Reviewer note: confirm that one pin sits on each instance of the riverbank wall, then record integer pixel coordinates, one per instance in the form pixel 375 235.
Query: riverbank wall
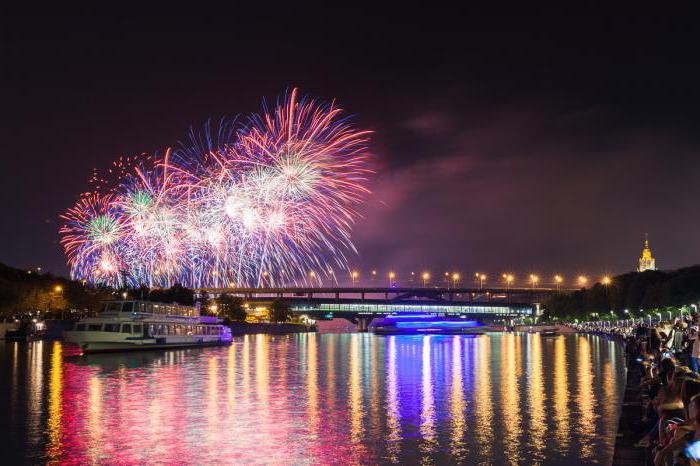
pixel 247 328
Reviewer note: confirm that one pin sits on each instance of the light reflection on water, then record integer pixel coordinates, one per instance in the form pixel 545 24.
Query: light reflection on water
pixel 310 399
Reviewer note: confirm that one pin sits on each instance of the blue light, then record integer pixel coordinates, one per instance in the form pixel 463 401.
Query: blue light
pixel 448 324
pixel 410 316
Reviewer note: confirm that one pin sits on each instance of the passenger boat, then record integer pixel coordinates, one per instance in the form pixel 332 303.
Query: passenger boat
pixel 139 325
pixel 426 324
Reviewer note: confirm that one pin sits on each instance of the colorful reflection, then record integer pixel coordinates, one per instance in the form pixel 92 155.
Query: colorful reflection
pixel 319 399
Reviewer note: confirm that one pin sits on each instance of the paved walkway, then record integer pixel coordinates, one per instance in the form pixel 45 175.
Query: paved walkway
pixel 625 452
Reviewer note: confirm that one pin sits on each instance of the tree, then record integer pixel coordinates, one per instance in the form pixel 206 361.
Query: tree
pixel 231 307
pixel 279 310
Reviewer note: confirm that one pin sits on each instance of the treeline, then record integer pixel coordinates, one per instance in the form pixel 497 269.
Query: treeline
pixel 636 292
pixel 27 291
pixel 23 291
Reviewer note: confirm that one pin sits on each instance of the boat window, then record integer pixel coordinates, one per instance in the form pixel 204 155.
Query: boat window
pixel 80 327
pixel 94 327
pixel 111 327
pixel 114 306
pixel 137 329
pixel 126 328
pixel 127 306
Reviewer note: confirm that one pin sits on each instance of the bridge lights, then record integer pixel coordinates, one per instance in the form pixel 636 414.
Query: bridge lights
pixel 426 278
pixel 508 278
pixel 481 278
pixel 582 281
pixel 534 279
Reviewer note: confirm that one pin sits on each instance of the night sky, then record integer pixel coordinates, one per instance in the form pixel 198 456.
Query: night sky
pixel 529 141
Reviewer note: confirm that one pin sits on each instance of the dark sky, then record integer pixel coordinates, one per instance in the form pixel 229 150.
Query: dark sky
pixel 532 141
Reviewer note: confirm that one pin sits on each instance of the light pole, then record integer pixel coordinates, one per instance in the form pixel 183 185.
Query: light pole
pixel 582 281
pixel 426 277
pixel 374 275
pixel 312 276
pixel 480 277
pixel 508 278
pixel 354 276
pixel 534 279
pixel 392 275
pixel 455 279
pixel 558 280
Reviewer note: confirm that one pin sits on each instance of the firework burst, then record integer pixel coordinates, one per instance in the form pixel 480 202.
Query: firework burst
pixel 265 202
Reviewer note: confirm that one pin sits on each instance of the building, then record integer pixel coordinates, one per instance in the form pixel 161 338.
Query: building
pixel 646 262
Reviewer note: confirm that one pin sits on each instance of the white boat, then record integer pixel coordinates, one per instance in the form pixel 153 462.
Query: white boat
pixel 139 325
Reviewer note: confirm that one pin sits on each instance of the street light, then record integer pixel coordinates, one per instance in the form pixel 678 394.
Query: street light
pixel 534 279
pixel 426 277
pixel 508 278
pixel 582 281
pixel 481 278
pixel 374 274
pixel 312 276
pixel 354 276
pixel 558 279
pixel 606 280
pixel 58 288
pixel 392 275
pixel 455 279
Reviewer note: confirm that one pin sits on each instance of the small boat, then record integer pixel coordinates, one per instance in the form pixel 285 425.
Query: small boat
pixel 426 324
pixel 140 325
pixel 549 332
pixel 28 330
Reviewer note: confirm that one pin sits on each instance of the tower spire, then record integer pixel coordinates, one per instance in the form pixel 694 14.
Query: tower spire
pixel 647 261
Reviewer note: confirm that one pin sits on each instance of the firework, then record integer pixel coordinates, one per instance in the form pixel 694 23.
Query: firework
pixel 263 202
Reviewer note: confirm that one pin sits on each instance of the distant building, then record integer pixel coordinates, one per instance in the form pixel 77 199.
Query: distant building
pixel 646 262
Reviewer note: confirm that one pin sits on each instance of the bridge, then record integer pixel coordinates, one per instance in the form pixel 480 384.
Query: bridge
pixel 362 304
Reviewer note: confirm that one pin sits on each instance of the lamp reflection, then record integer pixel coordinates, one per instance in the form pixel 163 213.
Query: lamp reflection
pixel 355 388
pixel 427 415
pixel 392 400
pixel 55 420
pixel 483 407
pixel 312 382
pixel 536 395
pixel 585 399
pixel 510 397
pixel 457 404
pixel 561 394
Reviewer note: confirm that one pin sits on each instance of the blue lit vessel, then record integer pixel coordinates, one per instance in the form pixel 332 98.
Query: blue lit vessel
pixel 427 325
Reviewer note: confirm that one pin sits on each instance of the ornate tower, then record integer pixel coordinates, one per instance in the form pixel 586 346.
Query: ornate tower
pixel 646 262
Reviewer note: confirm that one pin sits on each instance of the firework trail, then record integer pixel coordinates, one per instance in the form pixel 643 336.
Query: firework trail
pixel 262 202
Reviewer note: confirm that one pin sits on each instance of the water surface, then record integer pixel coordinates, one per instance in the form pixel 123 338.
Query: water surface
pixel 310 399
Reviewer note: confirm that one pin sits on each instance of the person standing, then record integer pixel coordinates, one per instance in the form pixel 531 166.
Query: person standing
pixel 695 353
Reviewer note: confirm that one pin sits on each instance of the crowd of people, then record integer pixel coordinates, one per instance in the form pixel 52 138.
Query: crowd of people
pixel 665 354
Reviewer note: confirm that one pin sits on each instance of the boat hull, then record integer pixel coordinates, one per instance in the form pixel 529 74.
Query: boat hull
pixel 116 347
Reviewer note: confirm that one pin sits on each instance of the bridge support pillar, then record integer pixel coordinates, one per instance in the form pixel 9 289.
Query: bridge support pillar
pixel 363 323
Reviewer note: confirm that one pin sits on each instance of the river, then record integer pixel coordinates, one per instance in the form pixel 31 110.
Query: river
pixel 317 399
